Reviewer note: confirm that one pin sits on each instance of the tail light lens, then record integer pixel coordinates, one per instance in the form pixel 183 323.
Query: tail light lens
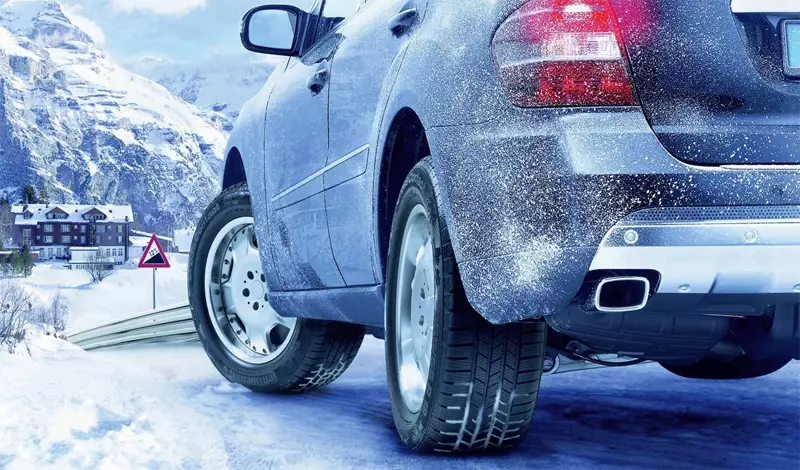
pixel 563 53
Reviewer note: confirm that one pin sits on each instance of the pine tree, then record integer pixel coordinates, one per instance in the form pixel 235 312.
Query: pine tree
pixel 29 195
pixel 16 263
pixel 44 194
pixel 27 262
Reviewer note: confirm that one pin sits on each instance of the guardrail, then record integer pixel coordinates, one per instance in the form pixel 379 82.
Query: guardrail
pixel 173 323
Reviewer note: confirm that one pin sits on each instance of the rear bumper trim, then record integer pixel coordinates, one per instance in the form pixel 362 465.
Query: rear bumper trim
pixel 718 257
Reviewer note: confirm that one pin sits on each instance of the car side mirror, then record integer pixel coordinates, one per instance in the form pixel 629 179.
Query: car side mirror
pixel 273 29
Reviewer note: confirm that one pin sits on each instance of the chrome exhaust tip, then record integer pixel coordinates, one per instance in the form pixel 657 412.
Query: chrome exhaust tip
pixel 621 294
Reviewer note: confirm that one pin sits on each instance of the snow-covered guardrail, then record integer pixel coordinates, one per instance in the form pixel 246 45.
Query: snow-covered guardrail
pixel 173 323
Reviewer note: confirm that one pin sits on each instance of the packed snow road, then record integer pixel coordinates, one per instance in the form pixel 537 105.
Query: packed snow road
pixel 166 407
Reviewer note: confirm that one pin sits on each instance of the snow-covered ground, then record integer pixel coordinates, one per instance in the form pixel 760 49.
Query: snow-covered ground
pixel 166 407
pixel 128 291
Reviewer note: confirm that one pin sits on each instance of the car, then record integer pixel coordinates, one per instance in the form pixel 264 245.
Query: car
pixel 505 189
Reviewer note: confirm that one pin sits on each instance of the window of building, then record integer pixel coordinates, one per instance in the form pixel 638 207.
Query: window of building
pixel 110 237
pixel 101 229
pixel 48 228
pixel 119 238
pixel 64 228
pixel 83 229
pixel 26 233
pixel 48 239
pixel 119 228
pixel 83 239
pixel 65 239
pixel 99 239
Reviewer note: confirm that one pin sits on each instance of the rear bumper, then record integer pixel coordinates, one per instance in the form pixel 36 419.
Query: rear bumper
pixel 709 250
pixel 533 199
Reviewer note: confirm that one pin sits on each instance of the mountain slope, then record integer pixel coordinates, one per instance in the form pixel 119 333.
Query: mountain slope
pixel 74 120
pixel 220 84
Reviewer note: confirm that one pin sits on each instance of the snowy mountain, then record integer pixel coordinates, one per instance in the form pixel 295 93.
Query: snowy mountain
pixel 73 119
pixel 220 85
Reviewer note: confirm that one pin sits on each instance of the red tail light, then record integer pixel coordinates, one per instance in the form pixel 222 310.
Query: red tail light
pixel 563 53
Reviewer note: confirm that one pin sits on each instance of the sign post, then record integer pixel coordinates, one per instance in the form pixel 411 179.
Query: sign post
pixel 153 258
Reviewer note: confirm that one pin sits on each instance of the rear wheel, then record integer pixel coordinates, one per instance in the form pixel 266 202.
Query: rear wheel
pixel 742 367
pixel 245 338
pixel 457 382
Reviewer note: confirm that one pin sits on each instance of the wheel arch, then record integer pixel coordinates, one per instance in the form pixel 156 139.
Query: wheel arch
pixel 404 145
pixel 234 171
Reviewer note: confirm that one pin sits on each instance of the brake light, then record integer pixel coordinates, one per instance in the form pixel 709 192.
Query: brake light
pixel 563 53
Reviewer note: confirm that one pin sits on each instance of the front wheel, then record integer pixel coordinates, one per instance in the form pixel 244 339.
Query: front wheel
pixel 457 382
pixel 245 338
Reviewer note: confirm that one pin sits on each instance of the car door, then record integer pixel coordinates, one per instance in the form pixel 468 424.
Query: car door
pixel 296 154
pixel 365 65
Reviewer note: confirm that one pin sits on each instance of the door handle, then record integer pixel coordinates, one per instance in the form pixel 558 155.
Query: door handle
pixel 400 23
pixel 317 81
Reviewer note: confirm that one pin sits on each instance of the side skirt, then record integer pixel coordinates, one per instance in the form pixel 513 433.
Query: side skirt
pixel 362 305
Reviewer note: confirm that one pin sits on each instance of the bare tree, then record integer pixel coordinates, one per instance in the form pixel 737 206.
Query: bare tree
pixel 53 314
pixel 98 267
pixel 16 307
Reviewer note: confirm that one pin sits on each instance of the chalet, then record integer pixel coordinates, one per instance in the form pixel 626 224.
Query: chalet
pixel 52 230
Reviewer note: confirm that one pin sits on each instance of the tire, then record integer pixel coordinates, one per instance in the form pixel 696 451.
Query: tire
pixel 311 355
pixel 742 367
pixel 483 379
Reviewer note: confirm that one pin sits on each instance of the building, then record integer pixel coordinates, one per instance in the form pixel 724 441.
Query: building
pixel 167 243
pixel 183 240
pixel 53 229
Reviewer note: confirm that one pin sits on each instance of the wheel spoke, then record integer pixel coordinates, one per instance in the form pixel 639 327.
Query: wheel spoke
pixel 258 340
pixel 241 247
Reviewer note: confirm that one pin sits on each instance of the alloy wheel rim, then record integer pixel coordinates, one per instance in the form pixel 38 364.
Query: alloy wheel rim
pixel 415 308
pixel 236 297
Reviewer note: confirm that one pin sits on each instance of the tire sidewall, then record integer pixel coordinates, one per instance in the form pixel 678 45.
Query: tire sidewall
pixel 230 205
pixel 418 189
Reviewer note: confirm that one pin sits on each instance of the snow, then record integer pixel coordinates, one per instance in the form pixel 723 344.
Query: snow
pixel 168 407
pixel 127 292
pixel 217 83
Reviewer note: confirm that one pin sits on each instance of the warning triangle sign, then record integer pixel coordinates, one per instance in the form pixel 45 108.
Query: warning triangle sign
pixel 154 256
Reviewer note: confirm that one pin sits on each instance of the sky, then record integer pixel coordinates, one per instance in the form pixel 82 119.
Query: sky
pixel 189 31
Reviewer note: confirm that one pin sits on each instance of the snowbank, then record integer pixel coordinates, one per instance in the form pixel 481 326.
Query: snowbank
pixel 128 291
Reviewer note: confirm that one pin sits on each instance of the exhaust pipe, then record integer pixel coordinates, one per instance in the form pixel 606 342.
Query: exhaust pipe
pixel 621 294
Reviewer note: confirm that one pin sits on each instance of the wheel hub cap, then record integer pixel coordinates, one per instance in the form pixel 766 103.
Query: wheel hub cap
pixel 415 308
pixel 237 297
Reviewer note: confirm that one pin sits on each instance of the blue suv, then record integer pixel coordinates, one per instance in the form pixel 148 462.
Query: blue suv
pixel 503 189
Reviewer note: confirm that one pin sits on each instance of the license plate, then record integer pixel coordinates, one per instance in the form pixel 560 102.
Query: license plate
pixel 791 48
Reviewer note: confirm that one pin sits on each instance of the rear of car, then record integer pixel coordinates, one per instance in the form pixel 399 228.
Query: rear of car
pixel 647 157
pixel 615 107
